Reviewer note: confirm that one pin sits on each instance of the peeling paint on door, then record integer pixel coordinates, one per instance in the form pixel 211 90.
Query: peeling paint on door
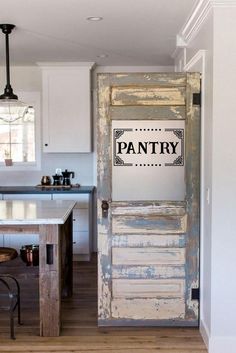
pixel 148 251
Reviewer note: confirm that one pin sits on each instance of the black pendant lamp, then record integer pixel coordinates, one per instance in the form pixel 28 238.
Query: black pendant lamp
pixel 11 108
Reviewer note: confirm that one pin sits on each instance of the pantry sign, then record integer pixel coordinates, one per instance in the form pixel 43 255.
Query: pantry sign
pixel 148 145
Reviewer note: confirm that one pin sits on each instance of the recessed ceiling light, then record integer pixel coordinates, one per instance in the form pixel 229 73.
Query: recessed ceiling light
pixel 102 56
pixel 94 18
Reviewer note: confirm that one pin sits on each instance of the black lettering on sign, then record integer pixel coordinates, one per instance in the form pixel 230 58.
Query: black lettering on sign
pixel 126 145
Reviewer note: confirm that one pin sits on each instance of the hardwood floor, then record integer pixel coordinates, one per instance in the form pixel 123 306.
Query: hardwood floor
pixel 79 326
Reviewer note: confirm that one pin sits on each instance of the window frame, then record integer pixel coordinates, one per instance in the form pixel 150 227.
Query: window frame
pixel 31 98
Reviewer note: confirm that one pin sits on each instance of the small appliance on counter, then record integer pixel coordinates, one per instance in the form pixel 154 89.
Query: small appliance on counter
pixel 46 180
pixel 66 177
pixel 61 180
pixel 57 179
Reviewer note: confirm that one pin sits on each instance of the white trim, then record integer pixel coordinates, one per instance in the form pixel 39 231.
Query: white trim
pixel 136 69
pixel 196 19
pixel 204 331
pixel 199 56
pixel 222 344
pixel 59 65
pixel 31 98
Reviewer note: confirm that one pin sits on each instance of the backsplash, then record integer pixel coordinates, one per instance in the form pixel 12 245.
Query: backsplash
pixel 81 164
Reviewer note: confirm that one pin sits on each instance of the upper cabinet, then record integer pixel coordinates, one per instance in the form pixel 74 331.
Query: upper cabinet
pixel 66 107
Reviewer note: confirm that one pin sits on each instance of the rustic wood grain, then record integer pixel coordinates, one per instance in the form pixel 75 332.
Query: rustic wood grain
pixel 148 224
pixel 157 208
pixel 150 240
pixel 24 229
pixel 79 322
pixel 148 256
pixel 192 176
pixel 136 239
pixel 148 288
pixel 49 282
pixel 152 271
pixel 153 309
pixel 149 112
pixel 104 193
pixel 149 95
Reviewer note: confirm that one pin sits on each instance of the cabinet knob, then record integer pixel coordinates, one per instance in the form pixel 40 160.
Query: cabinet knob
pixel 46 144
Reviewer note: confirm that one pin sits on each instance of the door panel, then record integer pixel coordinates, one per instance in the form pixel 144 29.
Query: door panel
pixel 149 149
pixel 137 95
pixel 148 240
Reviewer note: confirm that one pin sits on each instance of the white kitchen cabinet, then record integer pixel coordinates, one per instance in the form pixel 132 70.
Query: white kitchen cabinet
pixel 82 227
pixel 66 107
pixel 27 197
pixel 17 240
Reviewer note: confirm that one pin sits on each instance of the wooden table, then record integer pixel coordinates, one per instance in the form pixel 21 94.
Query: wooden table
pixel 52 220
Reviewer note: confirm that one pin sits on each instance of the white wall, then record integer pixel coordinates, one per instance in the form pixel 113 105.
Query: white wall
pixel 218 307
pixel 84 165
pixel 29 79
pixel 223 329
pixel 26 78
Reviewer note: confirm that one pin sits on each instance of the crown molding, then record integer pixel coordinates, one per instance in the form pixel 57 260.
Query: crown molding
pixel 197 17
pixel 59 65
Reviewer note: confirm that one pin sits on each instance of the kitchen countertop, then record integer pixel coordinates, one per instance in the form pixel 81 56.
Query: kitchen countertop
pixel 24 212
pixel 43 190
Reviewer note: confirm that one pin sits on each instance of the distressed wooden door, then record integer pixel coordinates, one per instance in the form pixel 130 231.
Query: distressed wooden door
pixel 148 241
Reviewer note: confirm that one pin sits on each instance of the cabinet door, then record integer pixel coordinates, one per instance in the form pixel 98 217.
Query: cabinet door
pixel 81 222
pixel 27 197
pixel 80 219
pixel 16 241
pixel 66 109
pixel 81 243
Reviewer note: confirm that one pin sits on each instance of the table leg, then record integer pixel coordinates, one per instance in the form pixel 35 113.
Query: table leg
pixel 67 258
pixel 50 280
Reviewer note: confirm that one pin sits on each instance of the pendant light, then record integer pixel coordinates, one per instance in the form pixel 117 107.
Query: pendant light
pixel 11 108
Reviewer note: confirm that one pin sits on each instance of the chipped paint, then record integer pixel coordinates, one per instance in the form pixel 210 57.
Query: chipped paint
pixel 148 256
pixel 143 240
pixel 151 224
pixel 148 288
pixel 148 242
pixel 147 96
pixel 152 309
pixel 193 304
pixel 152 271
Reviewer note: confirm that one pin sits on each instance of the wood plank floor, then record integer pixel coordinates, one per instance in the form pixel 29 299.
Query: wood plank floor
pixel 79 322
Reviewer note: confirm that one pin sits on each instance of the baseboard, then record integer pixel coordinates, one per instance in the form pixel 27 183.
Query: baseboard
pixel 222 344
pixel 204 331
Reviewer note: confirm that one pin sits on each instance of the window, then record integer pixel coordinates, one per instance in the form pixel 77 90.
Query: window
pixel 19 140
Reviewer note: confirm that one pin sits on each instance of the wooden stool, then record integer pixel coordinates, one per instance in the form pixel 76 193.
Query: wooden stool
pixel 7 254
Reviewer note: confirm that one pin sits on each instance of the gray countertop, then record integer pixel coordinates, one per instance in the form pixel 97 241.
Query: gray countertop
pixel 42 190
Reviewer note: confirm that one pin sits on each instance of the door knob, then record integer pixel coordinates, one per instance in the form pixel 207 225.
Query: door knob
pixel 105 208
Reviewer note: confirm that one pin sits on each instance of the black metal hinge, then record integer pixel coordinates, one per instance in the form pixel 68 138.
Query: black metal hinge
pixel 197 97
pixel 195 294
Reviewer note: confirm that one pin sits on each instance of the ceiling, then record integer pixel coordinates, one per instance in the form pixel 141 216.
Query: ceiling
pixel 132 32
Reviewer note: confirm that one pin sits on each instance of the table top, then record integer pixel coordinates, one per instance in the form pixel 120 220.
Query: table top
pixel 23 212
